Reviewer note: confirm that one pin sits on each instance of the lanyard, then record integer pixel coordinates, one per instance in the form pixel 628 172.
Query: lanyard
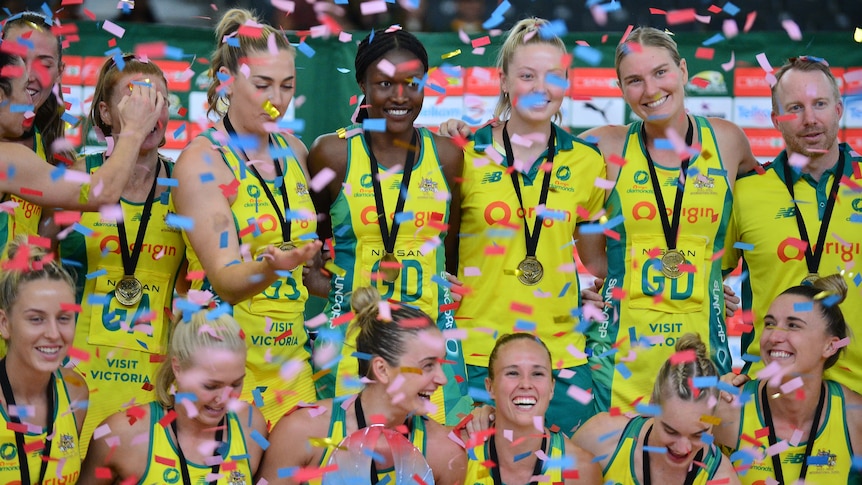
pixel 283 219
pixel 812 259
pixel 670 227
pixel 809 447
pixel 184 466
pixel 495 470
pixel 362 424
pixel 130 260
pixel 389 236
pixel 9 397
pixel 689 477
pixel 532 237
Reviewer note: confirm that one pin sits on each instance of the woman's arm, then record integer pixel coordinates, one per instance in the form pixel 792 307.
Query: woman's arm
pixel 258 423
pixel 289 444
pixel 452 161
pixel 122 461
pixel 589 472
pixel 446 458
pixel 79 394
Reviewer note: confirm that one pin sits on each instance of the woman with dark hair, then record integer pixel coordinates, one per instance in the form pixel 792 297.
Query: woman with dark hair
pixel 400 358
pixel 819 420
pixel 393 208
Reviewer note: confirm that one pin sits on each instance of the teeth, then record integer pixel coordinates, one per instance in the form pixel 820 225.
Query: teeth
pixel 779 354
pixel 397 112
pixel 48 350
pixel 425 395
pixel 657 102
pixel 524 401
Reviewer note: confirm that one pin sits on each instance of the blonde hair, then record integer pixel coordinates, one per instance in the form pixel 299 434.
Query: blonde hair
pixel 386 339
pixel 109 75
pixel 231 57
pixel 190 340
pixel 675 380
pixel 827 293
pixel 650 37
pixel 525 32
pixel 40 265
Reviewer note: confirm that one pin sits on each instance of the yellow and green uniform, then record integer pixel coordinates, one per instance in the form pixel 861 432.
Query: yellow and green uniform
pixel 620 469
pixel 419 248
pixel 478 456
pixel 649 311
pixel 125 343
pixel 832 448
pixel 272 320
pixel 64 444
pixel 492 244
pixel 234 470
pixel 338 431
pixel 24 218
pixel 764 222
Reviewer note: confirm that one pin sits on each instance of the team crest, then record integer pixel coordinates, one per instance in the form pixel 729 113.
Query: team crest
pixel 427 185
pixel 236 478
pixel 67 442
pixel 702 182
pixel 301 189
pixel 831 458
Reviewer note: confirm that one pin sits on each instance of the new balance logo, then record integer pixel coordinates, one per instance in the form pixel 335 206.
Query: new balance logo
pixel 490 178
pixel 785 213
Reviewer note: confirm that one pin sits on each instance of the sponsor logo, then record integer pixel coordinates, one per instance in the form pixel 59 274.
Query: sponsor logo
pixel 641 177
pixel 427 185
pixel 301 189
pixel 707 82
pixel 785 213
pixel 492 177
pixel 564 173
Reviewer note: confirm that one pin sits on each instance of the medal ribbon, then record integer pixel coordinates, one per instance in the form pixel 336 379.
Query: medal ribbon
pixel 9 397
pixel 670 228
pixel 383 222
pixel 184 465
pixel 495 470
pixel 130 261
pixel 362 424
pixel 812 259
pixel 532 238
pixel 283 220
pixel 689 477
pixel 809 447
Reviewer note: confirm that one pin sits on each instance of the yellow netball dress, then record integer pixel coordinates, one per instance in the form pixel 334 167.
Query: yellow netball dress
pixel 658 293
pixel 124 334
pixel 272 320
pixel 64 458
pixel 415 226
pixel 166 463
pixel 483 455
pixel 25 216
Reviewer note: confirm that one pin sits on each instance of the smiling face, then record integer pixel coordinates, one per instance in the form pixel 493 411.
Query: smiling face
pixel 13 122
pixel 43 60
pixel 522 386
pixel 810 96
pixel 419 372
pixel 39 328
pixel 795 336
pixel 110 111
pixel 679 429
pixel 214 377
pixel 534 82
pixel 392 91
pixel 268 78
pixel 652 84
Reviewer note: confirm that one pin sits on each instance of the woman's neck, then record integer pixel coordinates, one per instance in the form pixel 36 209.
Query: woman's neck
pixel 520 126
pixel 146 169
pixel 523 439
pixel 376 404
pixel 28 387
pixel 657 129
pixel 191 428
pixel 790 408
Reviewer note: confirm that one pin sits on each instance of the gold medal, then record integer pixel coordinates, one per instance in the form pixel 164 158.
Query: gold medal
pixel 530 271
pixel 287 246
pixel 670 262
pixel 129 291
pixel 810 279
pixel 388 268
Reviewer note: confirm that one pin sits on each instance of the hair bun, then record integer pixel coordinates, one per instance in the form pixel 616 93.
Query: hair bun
pixel 364 300
pixel 834 284
pixel 692 341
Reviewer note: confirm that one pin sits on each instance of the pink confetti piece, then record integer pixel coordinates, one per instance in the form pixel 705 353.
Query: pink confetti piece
pixel 764 62
pixel 508 434
pixel 777 448
pixel 567 268
pixel 191 410
pixel 386 67
pixel 384 311
pixel 770 370
pixel 791 385
pixel 579 394
pixel 463 37
pixel 290 369
pixel 393 170
pixel 841 343
pixel 494 155
pixel 111 213
pixel 322 179
pixel 592 312
pixel 600 15
pixel 430 245
pixel 75 176
pixel 396 384
pixel 113 29
pixel 796 437
pixel 792 29
pixel 730 28
pixel 287 6
pixel 523 141
pixel 271 45
pixel 207 448
pixel 316 411
pixel 727 66
pixel 214 477
pixel 114 441
pixel 540 454
pixel 455 334
pixel 576 352
pixel 101 432
pixel 316 320
pixel 454 437
pixel 373 7
pixel 749 21
pixel 539 423
pixel 798 160
pixel 604 184
pixel 345 37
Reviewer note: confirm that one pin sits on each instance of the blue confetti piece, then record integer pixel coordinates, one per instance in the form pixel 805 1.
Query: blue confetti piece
pixel 663 144
pixel 521 456
pixel 306 49
pixel 292 125
pixel 856 218
pixel 817 460
pixel 20 108
pixel 493 21
pixel 479 395
pixel 856 462
pixel 623 370
pixel 742 456
pixel 257 394
pixel 831 300
pixel 607 436
pixel 648 410
pixel 232 41
pixel 441 281
pixel 589 55
pixel 373 454
pixel 558 81
pixel 730 9
pixel 633 336
pixel 190 396
pixel 554 28
pixel 616 221
pixel 58 172
pixel 374 124
pixel 222 76
pixel 179 131
pixel 174 53
pixel 525 326
pixel 803 306
pixel 715 39
pixel 361 355
pixel 717 171
pixel 181 222
pixel 68 118
pixel 438 89
pixel 532 99
pixel 289 471
pixel 259 439
pixel 222 309
pixel 142 344
pixel 69 262
pixel 94 300
pixel 857 280
pixel 591 228
pixel 655 449
pixel 703 382
pixel 750 358
pixel 97 273
pixel 743 246
pixel 707 439
pixel 565 289
pixel 729 388
pixel 402 217
pixel 168 182
pixel 386 479
pixel 207 177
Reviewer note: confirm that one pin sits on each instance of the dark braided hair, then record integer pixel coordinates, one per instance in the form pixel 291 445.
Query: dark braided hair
pixel 386 339
pixel 376 45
